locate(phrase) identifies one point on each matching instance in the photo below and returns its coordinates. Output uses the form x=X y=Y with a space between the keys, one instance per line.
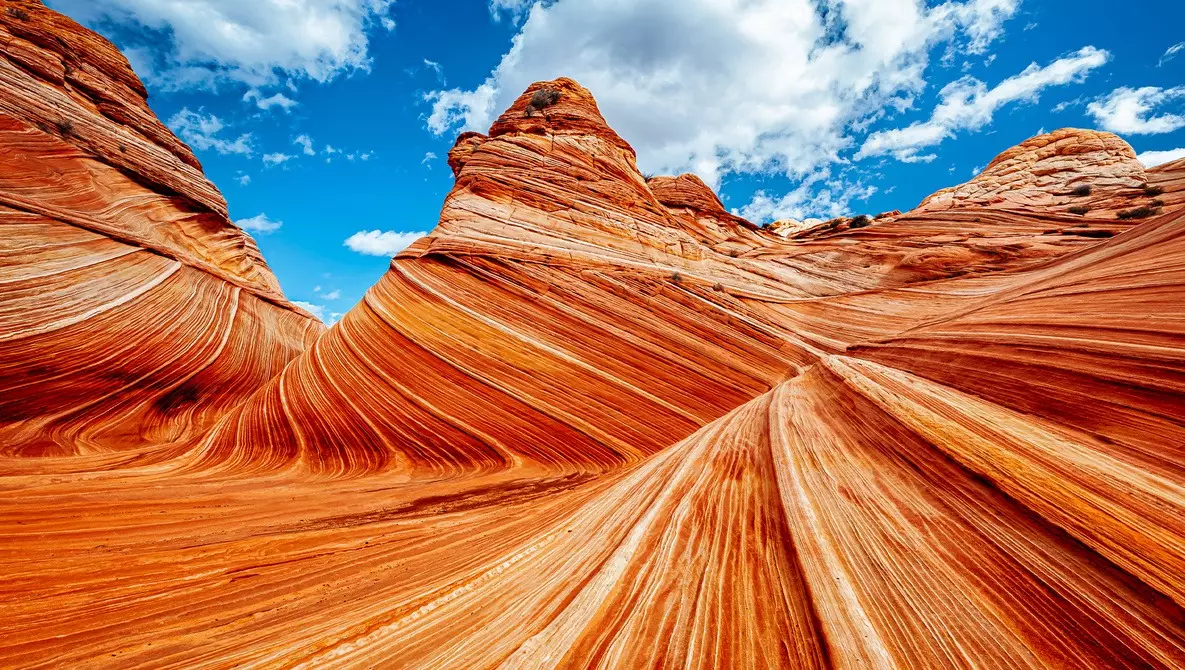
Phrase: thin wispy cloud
x=278 y=100
x=1171 y=53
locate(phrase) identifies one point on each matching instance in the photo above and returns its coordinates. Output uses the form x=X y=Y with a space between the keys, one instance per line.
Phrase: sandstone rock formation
x=1053 y=172
x=132 y=311
x=594 y=420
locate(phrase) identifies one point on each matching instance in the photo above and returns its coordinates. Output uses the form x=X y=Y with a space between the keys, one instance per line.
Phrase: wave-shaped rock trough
x=591 y=420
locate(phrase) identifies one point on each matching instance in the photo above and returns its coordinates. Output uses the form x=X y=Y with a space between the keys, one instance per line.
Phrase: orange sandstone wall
x=132 y=312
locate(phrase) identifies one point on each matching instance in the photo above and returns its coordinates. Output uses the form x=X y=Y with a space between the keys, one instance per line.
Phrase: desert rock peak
x=1052 y=172
x=574 y=112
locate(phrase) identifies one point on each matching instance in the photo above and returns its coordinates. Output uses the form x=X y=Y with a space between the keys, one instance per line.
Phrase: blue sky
x=326 y=123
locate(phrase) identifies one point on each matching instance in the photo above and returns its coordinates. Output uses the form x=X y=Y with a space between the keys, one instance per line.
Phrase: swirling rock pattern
x=592 y=420
x=133 y=314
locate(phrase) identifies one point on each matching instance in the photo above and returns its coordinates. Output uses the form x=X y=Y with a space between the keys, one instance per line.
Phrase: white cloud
x=333 y=295
x=278 y=100
x=436 y=68
x=1066 y=104
x=714 y=86
x=809 y=200
x=1171 y=53
x=306 y=144
x=381 y=243
x=318 y=311
x=210 y=41
x=428 y=158
x=366 y=156
x=968 y=104
x=473 y=110
x=244 y=179
x=259 y=224
x=1154 y=158
x=1125 y=110
x=277 y=158
x=514 y=9
x=201 y=132
x=982 y=20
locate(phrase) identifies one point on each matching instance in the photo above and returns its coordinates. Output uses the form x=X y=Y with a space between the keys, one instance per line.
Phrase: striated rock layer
x=595 y=420
x=133 y=313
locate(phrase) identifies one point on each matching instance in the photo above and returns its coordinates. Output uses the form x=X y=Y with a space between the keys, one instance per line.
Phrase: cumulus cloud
x=1125 y=110
x=1154 y=158
x=815 y=197
x=717 y=86
x=277 y=158
x=473 y=110
x=200 y=43
x=306 y=144
x=244 y=179
x=201 y=131
x=259 y=224
x=968 y=104
x=265 y=103
x=381 y=242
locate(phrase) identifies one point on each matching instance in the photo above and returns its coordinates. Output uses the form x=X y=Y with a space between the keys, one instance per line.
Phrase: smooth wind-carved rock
x=132 y=312
x=591 y=420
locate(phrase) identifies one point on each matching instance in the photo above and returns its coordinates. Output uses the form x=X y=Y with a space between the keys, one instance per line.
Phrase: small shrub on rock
x=542 y=99
x=18 y=13
x=676 y=277
x=1079 y=209
x=860 y=221
x=1082 y=190
x=1137 y=213
x=65 y=127
x=1153 y=191
x=1088 y=232
x=718 y=287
